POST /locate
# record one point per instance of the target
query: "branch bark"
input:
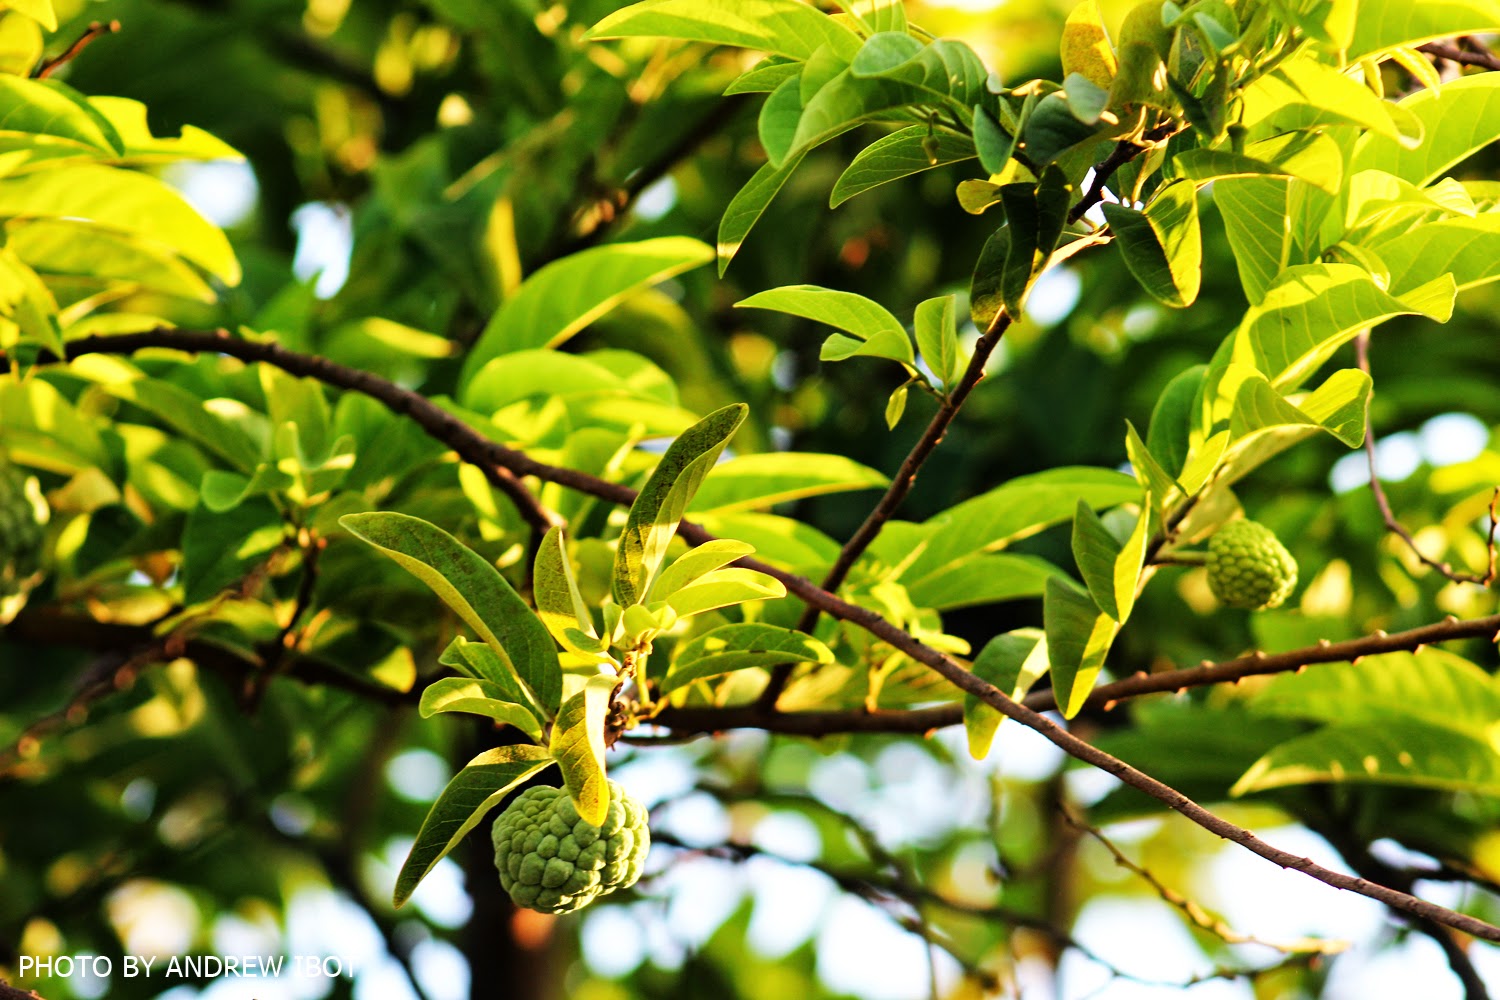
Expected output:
(473, 447)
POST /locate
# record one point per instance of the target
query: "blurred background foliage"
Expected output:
(406, 164)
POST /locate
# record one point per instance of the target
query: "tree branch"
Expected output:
(95, 30)
(8, 992)
(1475, 55)
(475, 448)
(1393, 523)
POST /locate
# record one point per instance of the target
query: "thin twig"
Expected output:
(8, 992)
(1190, 908)
(1392, 523)
(95, 30)
(474, 447)
(1473, 55)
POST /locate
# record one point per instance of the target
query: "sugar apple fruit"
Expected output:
(1248, 567)
(553, 861)
(20, 534)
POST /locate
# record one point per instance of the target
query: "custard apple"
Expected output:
(553, 861)
(1248, 567)
(20, 533)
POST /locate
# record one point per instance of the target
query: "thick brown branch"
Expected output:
(475, 448)
(8, 992)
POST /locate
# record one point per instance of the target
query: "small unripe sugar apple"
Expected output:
(1248, 567)
(20, 533)
(553, 861)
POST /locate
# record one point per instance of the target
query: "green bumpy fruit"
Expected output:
(20, 533)
(553, 861)
(1248, 567)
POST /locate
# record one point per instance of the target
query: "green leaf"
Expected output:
(874, 331)
(568, 294)
(736, 647)
(723, 588)
(985, 299)
(469, 797)
(102, 259)
(1096, 551)
(1385, 24)
(748, 204)
(1162, 245)
(476, 592)
(1052, 129)
(936, 324)
(945, 69)
(1078, 638)
(895, 405)
(188, 415)
(1035, 216)
(125, 201)
(218, 549)
(654, 516)
(764, 77)
(39, 11)
(578, 746)
(1460, 119)
(895, 156)
(1338, 407)
(479, 660)
(1402, 752)
(477, 697)
(694, 564)
(55, 110)
(784, 27)
(988, 578)
(128, 119)
(1149, 472)
(1018, 509)
(1172, 420)
(559, 604)
(1012, 662)
(1085, 46)
(1468, 249)
(762, 480)
(1433, 686)
(1255, 211)
(990, 141)
(1313, 309)
(1304, 93)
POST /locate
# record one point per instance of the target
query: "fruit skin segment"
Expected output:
(1248, 567)
(552, 861)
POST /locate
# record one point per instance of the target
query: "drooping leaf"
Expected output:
(1085, 46)
(654, 516)
(899, 155)
(1162, 245)
(476, 592)
(936, 327)
(52, 109)
(559, 604)
(871, 327)
(1403, 752)
(469, 797)
(578, 746)
(736, 647)
(477, 697)
(569, 294)
(1078, 639)
(762, 480)
(748, 204)
(1384, 24)
(784, 27)
(1338, 407)
(1012, 662)
(218, 549)
(1257, 218)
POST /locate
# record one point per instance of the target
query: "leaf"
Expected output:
(874, 331)
(936, 326)
(39, 11)
(990, 141)
(559, 604)
(1018, 509)
(125, 201)
(467, 799)
(895, 156)
(1305, 93)
(476, 592)
(1085, 46)
(1053, 128)
(1338, 407)
(1402, 752)
(1012, 662)
(723, 588)
(1035, 216)
(1384, 24)
(748, 204)
(1078, 638)
(1150, 473)
(1110, 568)
(988, 578)
(219, 548)
(737, 647)
(764, 77)
(189, 415)
(85, 253)
(1257, 215)
(654, 516)
(694, 564)
(568, 294)
(55, 110)
(578, 746)
(784, 27)
(479, 661)
(762, 480)
(1172, 419)
(1458, 120)
(1162, 245)
(1468, 249)
(895, 405)
(477, 697)
(128, 118)
(1313, 309)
